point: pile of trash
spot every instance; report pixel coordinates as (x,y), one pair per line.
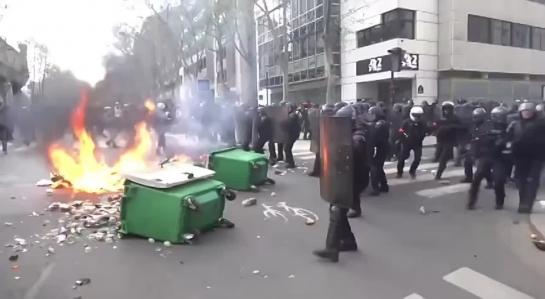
(81,221)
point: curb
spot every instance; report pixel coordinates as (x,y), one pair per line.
(534,228)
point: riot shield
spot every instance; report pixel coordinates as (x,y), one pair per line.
(314,122)
(337,161)
(279,118)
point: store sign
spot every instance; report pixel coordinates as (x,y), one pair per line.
(383,64)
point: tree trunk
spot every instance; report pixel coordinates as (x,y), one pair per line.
(284,63)
(328,44)
(247,41)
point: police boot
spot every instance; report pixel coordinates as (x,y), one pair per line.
(384,188)
(328,254)
(348,245)
(413,175)
(354,213)
(466,180)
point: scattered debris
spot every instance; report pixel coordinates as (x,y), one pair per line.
(291,276)
(20,241)
(310,221)
(151,240)
(51,250)
(44,183)
(15,267)
(181,262)
(540,244)
(87,249)
(17,277)
(258,236)
(13,197)
(8,224)
(256,272)
(273,194)
(422,210)
(533,236)
(158,249)
(208,287)
(265,276)
(81,282)
(280,172)
(49,192)
(249,202)
(167,244)
(475,256)
(13,258)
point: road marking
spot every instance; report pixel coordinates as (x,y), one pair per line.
(425,178)
(414,296)
(482,286)
(306,153)
(420,167)
(33,291)
(441,191)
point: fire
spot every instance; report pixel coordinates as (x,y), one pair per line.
(150,105)
(86,170)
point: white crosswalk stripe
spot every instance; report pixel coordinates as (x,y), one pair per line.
(414,296)
(483,286)
(425,178)
(442,191)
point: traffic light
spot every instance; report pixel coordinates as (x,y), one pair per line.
(396,55)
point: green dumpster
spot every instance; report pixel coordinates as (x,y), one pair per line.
(167,214)
(238,169)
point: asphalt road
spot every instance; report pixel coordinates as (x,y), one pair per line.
(447,253)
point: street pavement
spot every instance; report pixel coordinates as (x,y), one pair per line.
(446,253)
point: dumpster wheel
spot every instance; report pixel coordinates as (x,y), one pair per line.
(270,181)
(224,223)
(230,195)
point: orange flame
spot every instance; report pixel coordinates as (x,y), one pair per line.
(150,105)
(86,168)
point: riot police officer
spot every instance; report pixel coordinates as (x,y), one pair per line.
(379,149)
(264,130)
(293,128)
(447,133)
(162,121)
(396,120)
(525,137)
(411,134)
(487,147)
(339,234)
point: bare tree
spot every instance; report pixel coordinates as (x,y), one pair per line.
(331,29)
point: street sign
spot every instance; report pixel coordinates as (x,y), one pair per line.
(380,64)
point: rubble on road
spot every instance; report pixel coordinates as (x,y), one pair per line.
(249,202)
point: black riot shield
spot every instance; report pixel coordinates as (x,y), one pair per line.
(314,122)
(337,161)
(279,118)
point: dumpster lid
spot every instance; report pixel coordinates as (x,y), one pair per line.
(174,174)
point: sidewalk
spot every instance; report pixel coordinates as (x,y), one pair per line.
(429,141)
(537,218)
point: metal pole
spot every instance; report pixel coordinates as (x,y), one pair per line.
(267,86)
(392,88)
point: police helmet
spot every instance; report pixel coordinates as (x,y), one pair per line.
(346,111)
(161,106)
(340,105)
(328,109)
(540,107)
(527,110)
(479,114)
(416,113)
(499,115)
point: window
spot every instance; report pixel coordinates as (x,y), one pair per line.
(398,23)
(310,4)
(538,39)
(521,36)
(478,29)
(320,72)
(311,43)
(320,12)
(500,32)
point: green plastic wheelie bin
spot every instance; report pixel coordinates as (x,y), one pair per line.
(239,169)
(173,213)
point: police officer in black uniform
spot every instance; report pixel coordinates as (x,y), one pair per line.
(264,130)
(525,136)
(339,234)
(447,133)
(380,148)
(488,140)
(411,134)
(293,128)
(327,110)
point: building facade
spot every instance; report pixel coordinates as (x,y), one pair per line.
(454,49)
(305,23)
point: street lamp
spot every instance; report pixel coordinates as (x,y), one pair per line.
(396,59)
(267,86)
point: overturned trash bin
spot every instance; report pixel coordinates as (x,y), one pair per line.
(239,169)
(173,203)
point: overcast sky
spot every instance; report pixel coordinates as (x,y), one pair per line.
(78,33)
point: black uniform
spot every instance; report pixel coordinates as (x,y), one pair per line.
(487,147)
(339,233)
(526,136)
(396,120)
(447,134)
(293,128)
(412,134)
(380,148)
(264,131)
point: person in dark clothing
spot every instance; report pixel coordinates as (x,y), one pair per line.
(293,129)
(463,112)
(162,122)
(5,125)
(305,122)
(339,234)
(379,149)
(488,142)
(526,140)
(412,133)
(396,120)
(264,130)
(447,133)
